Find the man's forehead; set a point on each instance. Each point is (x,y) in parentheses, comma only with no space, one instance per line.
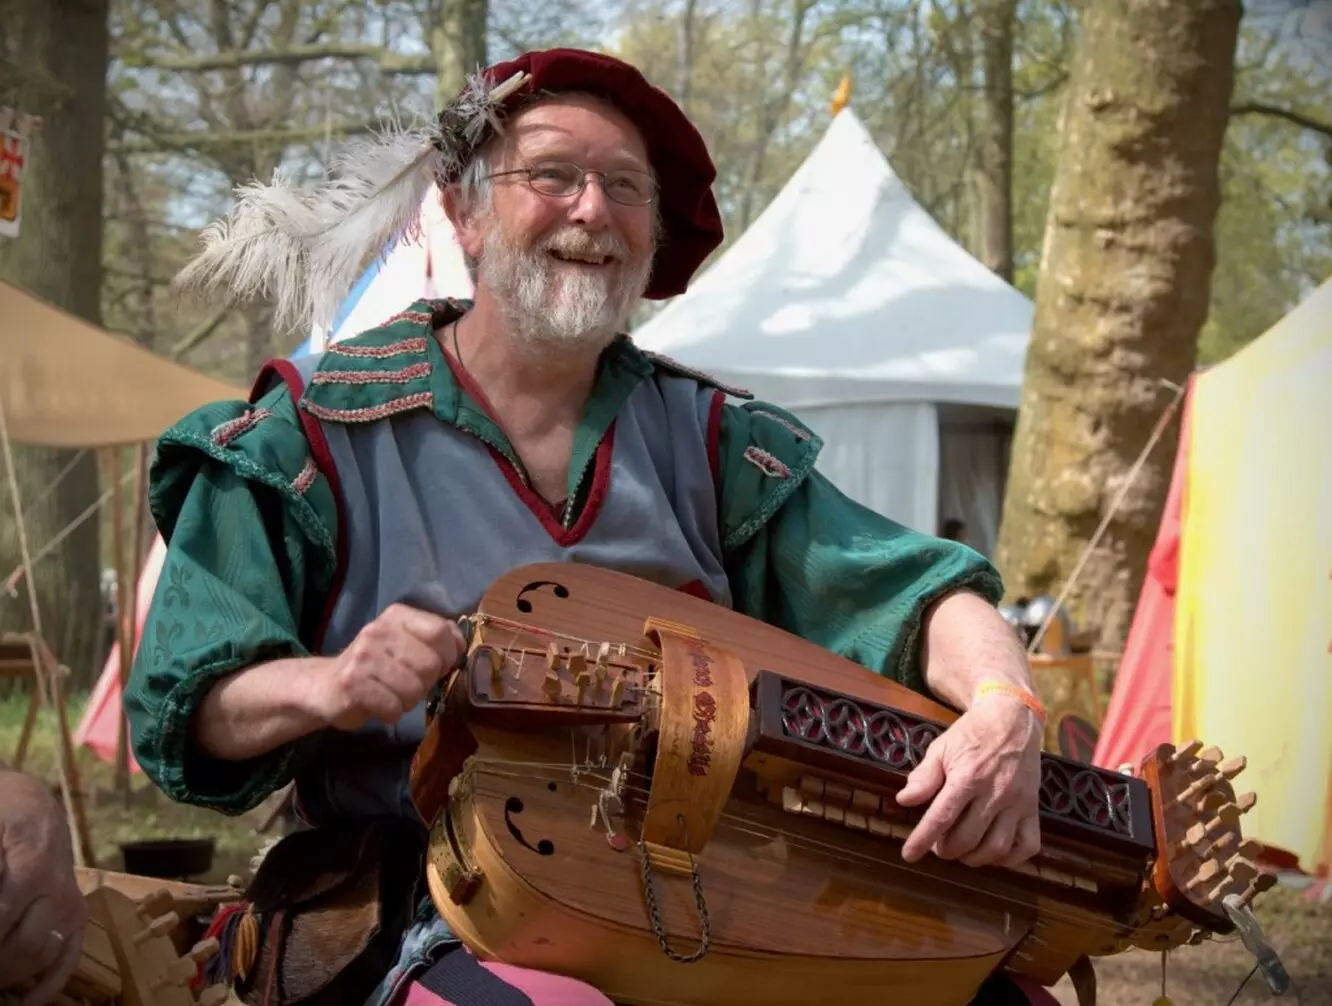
(574,123)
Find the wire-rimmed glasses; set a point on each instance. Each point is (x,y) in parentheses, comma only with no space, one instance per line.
(627,186)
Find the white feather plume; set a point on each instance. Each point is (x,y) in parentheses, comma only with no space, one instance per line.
(302,249)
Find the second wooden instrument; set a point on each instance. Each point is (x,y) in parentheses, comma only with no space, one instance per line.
(681,805)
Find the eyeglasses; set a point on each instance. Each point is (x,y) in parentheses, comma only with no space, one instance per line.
(626,186)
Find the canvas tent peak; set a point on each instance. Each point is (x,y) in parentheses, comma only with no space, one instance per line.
(845,289)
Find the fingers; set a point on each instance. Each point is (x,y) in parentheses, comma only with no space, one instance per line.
(992,846)
(29,947)
(925,779)
(1027,843)
(55,979)
(441,635)
(947,807)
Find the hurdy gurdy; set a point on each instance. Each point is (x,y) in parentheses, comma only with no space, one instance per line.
(678,804)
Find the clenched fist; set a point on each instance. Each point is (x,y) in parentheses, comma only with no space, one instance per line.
(390,666)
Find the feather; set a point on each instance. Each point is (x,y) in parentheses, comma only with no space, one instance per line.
(302,249)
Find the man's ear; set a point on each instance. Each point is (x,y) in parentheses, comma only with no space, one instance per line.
(466,223)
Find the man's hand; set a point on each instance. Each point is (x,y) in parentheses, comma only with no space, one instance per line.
(389,667)
(981,776)
(42,912)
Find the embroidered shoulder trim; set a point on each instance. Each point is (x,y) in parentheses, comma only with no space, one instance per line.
(370,413)
(401,376)
(302,483)
(767,463)
(800,434)
(415,317)
(224,433)
(702,377)
(416,344)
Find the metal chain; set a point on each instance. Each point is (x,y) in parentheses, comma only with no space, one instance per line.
(655,915)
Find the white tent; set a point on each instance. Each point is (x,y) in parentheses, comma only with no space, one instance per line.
(846,303)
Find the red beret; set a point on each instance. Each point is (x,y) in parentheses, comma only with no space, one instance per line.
(691,222)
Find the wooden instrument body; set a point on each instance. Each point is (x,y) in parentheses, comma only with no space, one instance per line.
(799,875)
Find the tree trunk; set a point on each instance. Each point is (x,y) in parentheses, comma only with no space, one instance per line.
(458,42)
(994,156)
(1122,294)
(58,256)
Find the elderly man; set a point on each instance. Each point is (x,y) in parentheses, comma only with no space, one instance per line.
(460,440)
(42,911)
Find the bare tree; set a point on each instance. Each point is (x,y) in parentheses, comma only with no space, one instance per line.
(994,154)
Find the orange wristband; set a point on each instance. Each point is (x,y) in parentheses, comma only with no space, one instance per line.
(1004,688)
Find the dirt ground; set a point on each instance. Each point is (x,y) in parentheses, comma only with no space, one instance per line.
(1208,975)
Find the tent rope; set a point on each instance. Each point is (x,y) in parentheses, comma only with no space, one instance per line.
(1095,539)
(10,582)
(45,688)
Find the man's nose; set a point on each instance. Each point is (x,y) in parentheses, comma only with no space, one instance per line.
(590,207)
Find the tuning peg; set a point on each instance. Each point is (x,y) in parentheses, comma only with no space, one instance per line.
(1210,755)
(156,903)
(1246,802)
(1232,767)
(1251,848)
(1207,873)
(553,657)
(179,972)
(1186,752)
(582,680)
(1263,882)
(1241,869)
(1198,785)
(160,926)
(551,685)
(1221,846)
(577,665)
(1212,801)
(204,950)
(616,690)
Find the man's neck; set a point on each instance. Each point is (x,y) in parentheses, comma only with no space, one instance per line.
(527,386)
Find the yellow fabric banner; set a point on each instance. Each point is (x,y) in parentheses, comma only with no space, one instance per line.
(1253,619)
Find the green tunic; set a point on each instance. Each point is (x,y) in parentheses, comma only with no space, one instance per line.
(251,528)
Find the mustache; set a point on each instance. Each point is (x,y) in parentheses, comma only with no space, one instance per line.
(572,241)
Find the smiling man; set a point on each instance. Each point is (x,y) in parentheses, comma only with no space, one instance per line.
(462,439)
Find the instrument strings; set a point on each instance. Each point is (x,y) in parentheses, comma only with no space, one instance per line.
(574,771)
(1050,909)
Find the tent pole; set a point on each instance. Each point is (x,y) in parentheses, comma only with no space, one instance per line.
(112,455)
(47,690)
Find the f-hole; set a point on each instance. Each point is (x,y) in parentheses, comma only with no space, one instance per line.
(544,846)
(525,606)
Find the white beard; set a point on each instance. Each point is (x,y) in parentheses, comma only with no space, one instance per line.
(551,306)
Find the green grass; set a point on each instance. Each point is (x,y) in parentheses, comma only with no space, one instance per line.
(148,815)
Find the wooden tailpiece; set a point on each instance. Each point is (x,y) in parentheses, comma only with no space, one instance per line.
(661,794)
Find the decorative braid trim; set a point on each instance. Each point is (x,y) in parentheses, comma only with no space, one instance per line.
(799,433)
(302,483)
(766,463)
(369,415)
(415,317)
(370,376)
(413,345)
(225,433)
(701,376)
